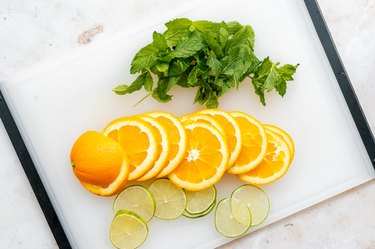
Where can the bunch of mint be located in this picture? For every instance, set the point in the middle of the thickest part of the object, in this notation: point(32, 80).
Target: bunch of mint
point(210, 56)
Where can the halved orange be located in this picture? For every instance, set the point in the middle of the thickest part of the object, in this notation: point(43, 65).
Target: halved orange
point(287, 138)
point(139, 140)
point(163, 141)
point(231, 130)
point(197, 117)
point(205, 160)
point(177, 140)
point(274, 165)
point(99, 163)
point(254, 143)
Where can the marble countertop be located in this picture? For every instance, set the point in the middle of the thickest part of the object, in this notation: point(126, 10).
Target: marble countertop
point(32, 32)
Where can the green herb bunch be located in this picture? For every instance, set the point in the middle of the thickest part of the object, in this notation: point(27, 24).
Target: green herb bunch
point(213, 57)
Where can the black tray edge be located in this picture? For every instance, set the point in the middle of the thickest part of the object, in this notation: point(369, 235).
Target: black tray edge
point(32, 175)
point(336, 65)
point(342, 78)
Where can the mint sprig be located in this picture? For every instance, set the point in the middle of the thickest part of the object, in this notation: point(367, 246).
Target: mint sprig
point(213, 57)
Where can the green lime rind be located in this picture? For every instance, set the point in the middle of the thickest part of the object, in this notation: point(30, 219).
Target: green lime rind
point(198, 202)
point(137, 199)
point(226, 223)
point(170, 200)
point(255, 199)
point(199, 215)
point(128, 230)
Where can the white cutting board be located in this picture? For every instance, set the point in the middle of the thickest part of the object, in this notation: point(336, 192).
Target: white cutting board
point(53, 106)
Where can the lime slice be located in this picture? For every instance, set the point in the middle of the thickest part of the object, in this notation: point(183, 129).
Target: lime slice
point(225, 221)
point(198, 202)
point(170, 200)
point(255, 199)
point(128, 230)
point(136, 199)
point(198, 215)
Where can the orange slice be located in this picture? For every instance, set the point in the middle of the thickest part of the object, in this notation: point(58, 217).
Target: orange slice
point(177, 140)
point(196, 117)
point(99, 163)
point(254, 143)
point(231, 130)
point(287, 138)
point(205, 160)
point(274, 165)
point(139, 141)
point(162, 139)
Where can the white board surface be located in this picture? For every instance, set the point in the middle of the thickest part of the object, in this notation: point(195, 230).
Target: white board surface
point(55, 105)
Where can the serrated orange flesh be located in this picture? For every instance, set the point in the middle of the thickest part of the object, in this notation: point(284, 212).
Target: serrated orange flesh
point(139, 141)
point(177, 141)
point(275, 163)
point(205, 160)
point(163, 141)
point(254, 143)
point(231, 131)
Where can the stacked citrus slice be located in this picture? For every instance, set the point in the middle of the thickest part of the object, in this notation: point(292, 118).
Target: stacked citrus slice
point(275, 162)
point(136, 205)
point(194, 151)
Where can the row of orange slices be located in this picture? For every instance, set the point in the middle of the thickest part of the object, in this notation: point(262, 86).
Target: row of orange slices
point(194, 151)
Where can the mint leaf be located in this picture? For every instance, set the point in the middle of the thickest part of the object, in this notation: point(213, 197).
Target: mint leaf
point(233, 27)
point(222, 85)
point(244, 38)
point(287, 71)
point(214, 64)
point(214, 34)
point(192, 79)
point(187, 47)
point(254, 63)
point(212, 56)
point(162, 68)
point(268, 76)
point(143, 79)
point(178, 67)
point(145, 58)
point(177, 31)
point(160, 93)
point(123, 89)
point(159, 41)
point(182, 81)
point(237, 63)
point(206, 97)
point(148, 82)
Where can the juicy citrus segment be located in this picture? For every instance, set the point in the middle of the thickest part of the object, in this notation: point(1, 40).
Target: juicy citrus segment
point(128, 230)
point(136, 199)
point(139, 141)
point(170, 200)
point(231, 130)
point(287, 138)
point(196, 117)
point(163, 141)
point(275, 163)
point(99, 163)
point(205, 160)
point(254, 143)
point(177, 136)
